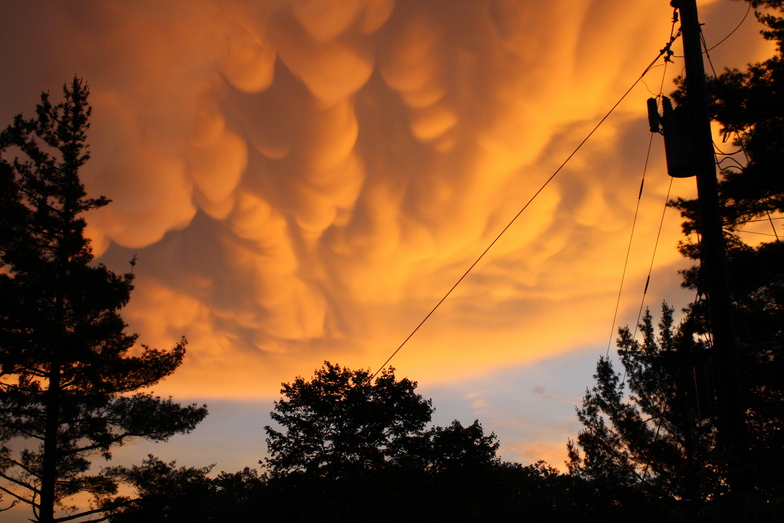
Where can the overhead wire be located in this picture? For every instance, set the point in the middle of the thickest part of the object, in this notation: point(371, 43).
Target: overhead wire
point(773, 226)
point(742, 20)
point(738, 165)
point(664, 51)
point(718, 150)
point(653, 258)
point(707, 53)
point(759, 233)
point(639, 196)
point(769, 218)
point(748, 10)
point(629, 247)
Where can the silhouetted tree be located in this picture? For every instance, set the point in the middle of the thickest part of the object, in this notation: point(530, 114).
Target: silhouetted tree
point(342, 421)
point(71, 384)
point(165, 493)
point(355, 450)
point(352, 441)
point(463, 448)
point(749, 106)
point(643, 428)
point(242, 495)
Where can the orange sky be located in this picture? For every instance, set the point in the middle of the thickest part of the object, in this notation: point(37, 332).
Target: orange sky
point(304, 179)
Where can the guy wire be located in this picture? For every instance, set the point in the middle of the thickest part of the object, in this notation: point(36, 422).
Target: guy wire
point(636, 212)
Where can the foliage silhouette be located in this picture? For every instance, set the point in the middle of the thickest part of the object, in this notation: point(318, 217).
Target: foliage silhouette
point(163, 492)
point(354, 448)
point(415, 474)
point(653, 437)
point(341, 421)
point(749, 106)
point(71, 383)
point(462, 448)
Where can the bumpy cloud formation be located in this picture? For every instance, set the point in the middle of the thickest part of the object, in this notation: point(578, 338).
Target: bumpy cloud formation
point(304, 179)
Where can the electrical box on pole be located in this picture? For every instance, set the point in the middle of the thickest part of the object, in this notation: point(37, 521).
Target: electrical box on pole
point(675, 125)
point(678, 141)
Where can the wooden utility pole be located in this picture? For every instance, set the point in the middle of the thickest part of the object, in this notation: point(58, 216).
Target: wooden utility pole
point(732, 428)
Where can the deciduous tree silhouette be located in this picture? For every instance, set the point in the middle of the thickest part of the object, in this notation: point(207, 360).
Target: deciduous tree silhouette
point(463, 448)
point(343, 421)
point(71, 383)
point(356, 449)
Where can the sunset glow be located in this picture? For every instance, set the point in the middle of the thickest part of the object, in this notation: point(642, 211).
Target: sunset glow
point(304, 180)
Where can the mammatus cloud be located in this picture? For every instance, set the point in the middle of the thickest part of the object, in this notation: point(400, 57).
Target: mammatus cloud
point(304, 180)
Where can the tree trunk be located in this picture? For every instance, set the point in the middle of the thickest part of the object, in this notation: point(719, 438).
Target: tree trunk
point(49, 465)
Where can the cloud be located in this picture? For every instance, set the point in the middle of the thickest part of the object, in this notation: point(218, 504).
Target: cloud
point(304, 180)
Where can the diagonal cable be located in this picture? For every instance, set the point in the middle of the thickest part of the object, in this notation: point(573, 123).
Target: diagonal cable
point(528, 203)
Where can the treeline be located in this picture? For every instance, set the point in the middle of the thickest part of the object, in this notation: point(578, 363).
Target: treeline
point(354, 449)
point(349, 446)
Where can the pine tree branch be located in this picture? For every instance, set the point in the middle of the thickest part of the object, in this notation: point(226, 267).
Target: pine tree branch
point(85, 513)
point(21, 466)
point(16, 496)
point(19, 482)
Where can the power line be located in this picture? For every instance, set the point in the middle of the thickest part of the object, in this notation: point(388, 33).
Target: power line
point(755, 232)
point(748, 10)
point(769, 218)
point(664, 51)
point(629, 247)
point(707, 50)
point(637, 207)
point(653, 257)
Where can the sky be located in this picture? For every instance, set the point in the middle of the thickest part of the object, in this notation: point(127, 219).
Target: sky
point(304, 180)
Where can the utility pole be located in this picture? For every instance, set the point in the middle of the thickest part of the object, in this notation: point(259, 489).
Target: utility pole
point(732, 427)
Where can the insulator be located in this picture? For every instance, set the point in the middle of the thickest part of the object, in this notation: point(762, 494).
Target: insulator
point(653, 115)
point(666, 105)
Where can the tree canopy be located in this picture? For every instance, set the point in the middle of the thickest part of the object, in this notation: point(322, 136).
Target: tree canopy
point(342, 420)
point(646, 427)
point(463, 448)
point(73, 383)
